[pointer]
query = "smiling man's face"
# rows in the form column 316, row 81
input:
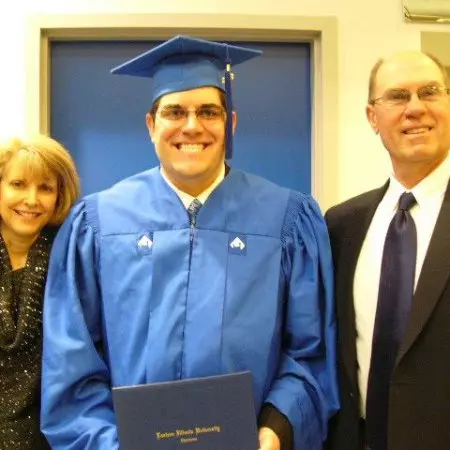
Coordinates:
column 418, row 132
column 191, row 150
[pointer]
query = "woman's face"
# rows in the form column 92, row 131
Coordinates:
column 27, row 200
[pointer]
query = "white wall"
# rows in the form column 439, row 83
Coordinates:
column 367, row 30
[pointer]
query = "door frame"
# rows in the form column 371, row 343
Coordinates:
column 320, row 32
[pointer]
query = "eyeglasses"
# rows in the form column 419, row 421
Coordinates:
column 401, row 97
column 204, row 113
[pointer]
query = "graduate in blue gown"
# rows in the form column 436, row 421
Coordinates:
column 139, row 292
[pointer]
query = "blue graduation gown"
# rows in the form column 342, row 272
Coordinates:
column 134, row 295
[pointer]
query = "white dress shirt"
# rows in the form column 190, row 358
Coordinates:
column 203, row 196
column 429, row 194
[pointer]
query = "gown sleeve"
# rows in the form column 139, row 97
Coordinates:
column 305, row 389
column 77, row 410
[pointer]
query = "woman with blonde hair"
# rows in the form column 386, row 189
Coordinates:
column 38, row 186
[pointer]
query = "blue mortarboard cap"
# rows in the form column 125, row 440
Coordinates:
column 184, row 63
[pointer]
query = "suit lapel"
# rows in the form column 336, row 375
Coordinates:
column 356, row 231
column 433, row 277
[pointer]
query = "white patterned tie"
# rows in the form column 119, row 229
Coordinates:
column 193, row 210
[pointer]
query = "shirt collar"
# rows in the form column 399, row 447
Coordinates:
column 203, row 196
column 432, row 186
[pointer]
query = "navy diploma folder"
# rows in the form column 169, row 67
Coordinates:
column 212, row 413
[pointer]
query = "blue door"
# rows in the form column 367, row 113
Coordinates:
column 100, row 117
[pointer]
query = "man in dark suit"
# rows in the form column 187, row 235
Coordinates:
column 409, row 107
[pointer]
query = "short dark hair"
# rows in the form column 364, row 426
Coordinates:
column 155, row 105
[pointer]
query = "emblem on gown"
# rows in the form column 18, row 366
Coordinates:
column 144, row 244
column 237, row 244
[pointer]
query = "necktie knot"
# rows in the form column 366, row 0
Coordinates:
column 193, row 210
column 406, row 201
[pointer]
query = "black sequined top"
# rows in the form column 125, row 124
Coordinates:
column 21, row 297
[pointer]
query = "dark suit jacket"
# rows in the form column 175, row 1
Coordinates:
column 419, row 404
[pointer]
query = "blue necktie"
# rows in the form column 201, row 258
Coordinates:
column 193, row 210
column 394, row 303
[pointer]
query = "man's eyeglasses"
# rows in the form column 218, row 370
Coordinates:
column 204, row 113
column 401, row 97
